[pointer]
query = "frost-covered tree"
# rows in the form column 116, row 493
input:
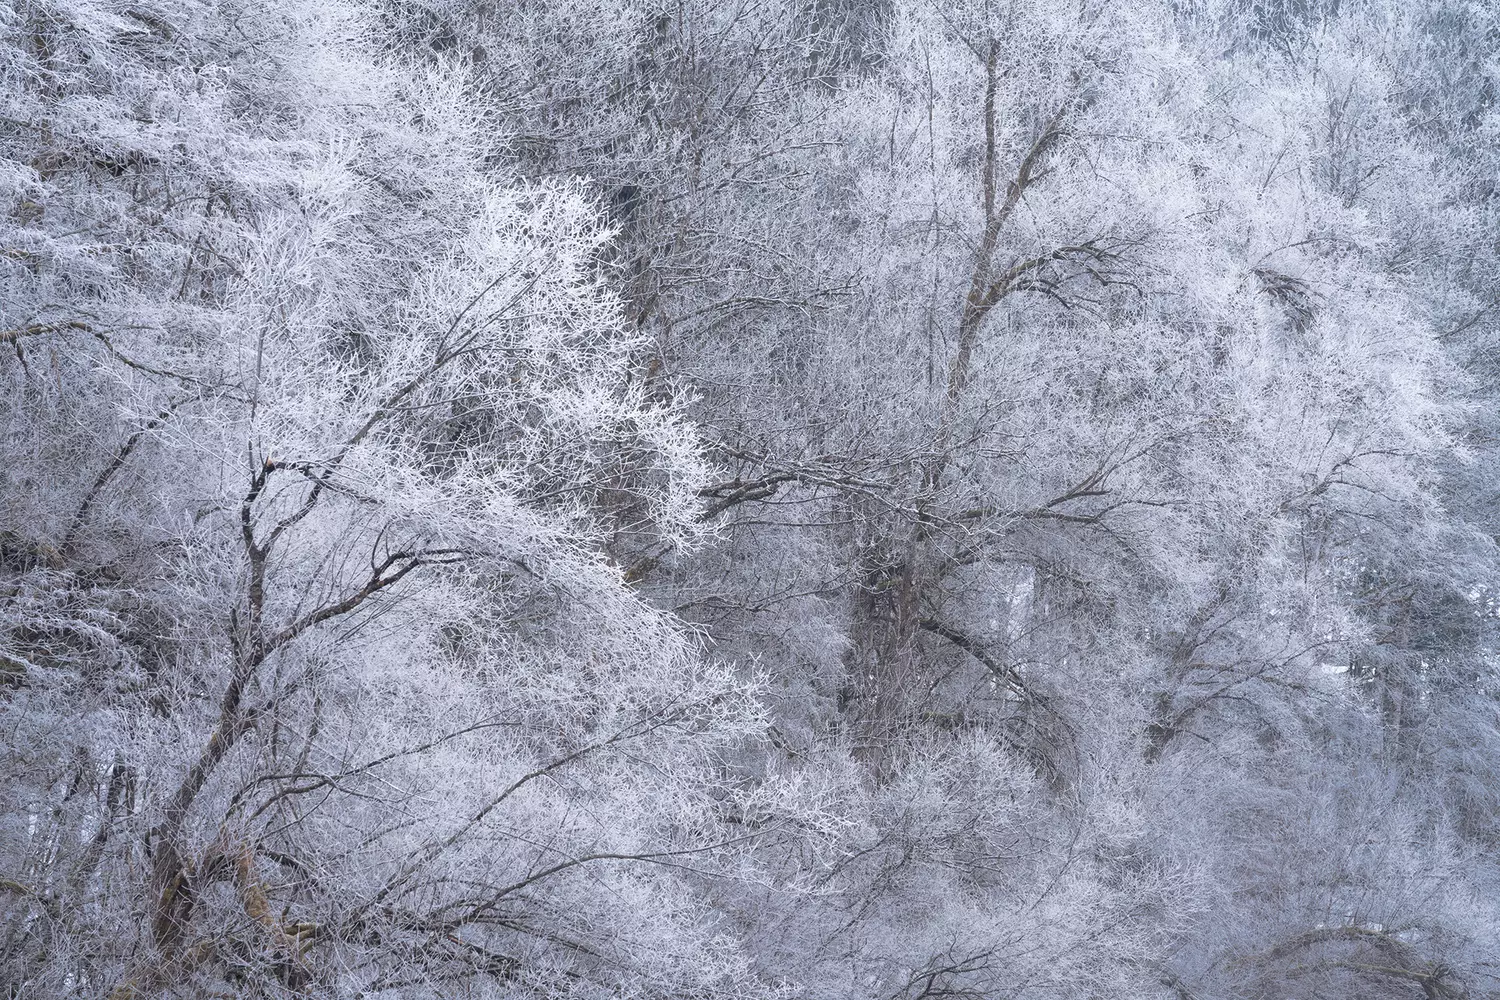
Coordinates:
column 1076, row 578
column 1134, row 434
column 316, row 420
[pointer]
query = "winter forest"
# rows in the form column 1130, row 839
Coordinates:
column 750, row 499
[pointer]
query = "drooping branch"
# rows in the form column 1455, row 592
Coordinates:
column 40, row 329
column 737, row 491
column 1003, row 672
column 1401, row 961
column 835, row 473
